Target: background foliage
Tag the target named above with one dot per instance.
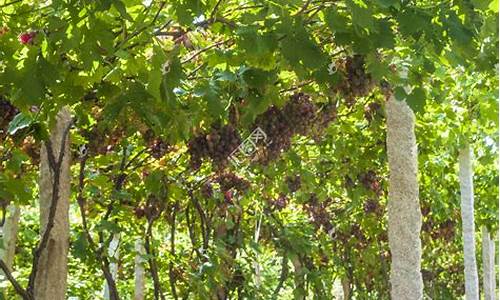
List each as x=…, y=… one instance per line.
x=145, y=79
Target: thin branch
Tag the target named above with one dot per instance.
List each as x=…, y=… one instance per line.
x=298, y=86
x=283, y=276
x=203, y=221
x=105, y=268
x=153, y=266
x=303, y=8
x=204, y=50
x=140, y=30
x=10, y=3
x=134, y=158
x=216, y=7
x=171, y=274
x=192, y=233
x=17, y=287
x=243, y=7
x=314, y=11
x=192, y=73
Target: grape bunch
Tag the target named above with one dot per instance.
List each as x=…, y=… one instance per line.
x=372, y=110
x=159, y=148
x=207, y=190
x=152, y=209
x=357, y=233
x=371, y=182
x=372, y=206
x=218, y=144
x=428, y=225
x=445, y=230
x=156, y=145
x=97, y=141
x=32, y=148
x=7, y=114
x=428, y=275
x=293, y=183
x=425, y=209
x=101, y=141
x=197, y=149
x=229, y=181
x=300, y=113
x=298, y=116
x=279, y=203
x=326, y=115
x=357, y=82
x=385, y=88
x=139, y=212
x=222, y=141
x=278, y=130
x=318, y=212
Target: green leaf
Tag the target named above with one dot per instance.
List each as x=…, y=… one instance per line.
x=400, y=93
x=257, y=78
x=226, y=76
x=114, y=106
x=48, y=71
x=389, y=3
x=20, y=121
x=80, y=246
x=30, y=86
x=14, y=189
x=210, y=93
x=494, y=6
x=362, y=15
x=258, y=47
x=481, y=4
x=384, y=36
x=17, y=159
x=300, y=50
x=376, y=68
x=153, y=182
x=457, y=30
x=413, y=22
x=120, y=7
x=108, y=226
x=416, y=99
x=335, y=21
x=155, y=75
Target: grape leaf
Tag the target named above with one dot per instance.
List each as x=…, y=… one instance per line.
x=361, y=16
x=20, y=121
x=416, y=99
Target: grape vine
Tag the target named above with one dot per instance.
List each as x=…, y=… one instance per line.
x=218, y=144
x=357, y=82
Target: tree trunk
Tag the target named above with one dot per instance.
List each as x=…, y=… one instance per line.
x=468, y=230
x=488, y=256
x=8, y=232
x=300, y=288
x=9, y=235
x=114, y=254
x=493, y=270
x=346, y=288
x=50, y=280
x=139, y=271
x=405, y=219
